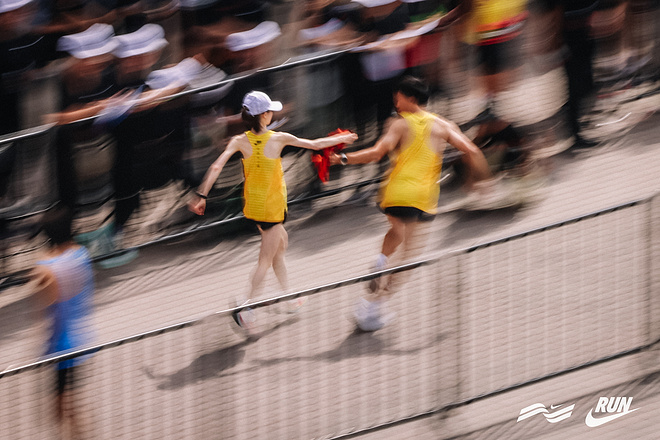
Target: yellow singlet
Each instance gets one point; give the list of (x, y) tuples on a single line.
[(415, 169), (264, 190)]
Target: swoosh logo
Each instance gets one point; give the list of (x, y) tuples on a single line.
[(555, 406), (592, 421)]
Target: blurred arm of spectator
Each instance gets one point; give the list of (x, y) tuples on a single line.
[(152, 98), (146, 100), (75, 113), (456, 13)]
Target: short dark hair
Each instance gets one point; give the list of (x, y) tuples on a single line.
[(56, 222), (252, 122), (413, 87)]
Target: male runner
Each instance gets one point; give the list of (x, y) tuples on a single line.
[(415, 141)]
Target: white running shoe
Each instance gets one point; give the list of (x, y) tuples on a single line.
[(245, 317), (368, 315), (293, 305)]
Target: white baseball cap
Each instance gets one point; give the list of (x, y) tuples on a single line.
[(148, 38), (181, 74), (261, 34), (257, 103), (96, 40)]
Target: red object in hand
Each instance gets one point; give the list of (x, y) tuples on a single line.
[(321, 160)]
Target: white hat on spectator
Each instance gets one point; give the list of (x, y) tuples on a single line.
[(261, 34), (96, 40), (373, 3), (257, 103), (332, 25), (10, 5), (181, 74), (149, 38)]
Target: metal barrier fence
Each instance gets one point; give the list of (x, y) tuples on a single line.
[(470, 324)]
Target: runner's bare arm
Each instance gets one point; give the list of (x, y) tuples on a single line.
[(474, 157), (316, 144), (216, 168), (384, 145)]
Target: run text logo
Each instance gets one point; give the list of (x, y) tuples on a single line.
[(614, 406), (562, 413)]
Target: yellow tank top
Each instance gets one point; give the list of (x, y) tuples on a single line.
[(415, 169), (264, 190), (495, 21)]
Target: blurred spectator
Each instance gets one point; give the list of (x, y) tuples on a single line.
[(372, 74), (85, 151), (493, 27), (89, 77), (65, 288), (20, 50), (152, 138), (579, 62), (321, 86)]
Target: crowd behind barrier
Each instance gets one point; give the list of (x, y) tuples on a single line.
[(126, 155), (468, 335)]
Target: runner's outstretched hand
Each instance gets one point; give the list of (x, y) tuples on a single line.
[(197, 205)]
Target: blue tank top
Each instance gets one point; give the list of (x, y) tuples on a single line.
[(71, 316)]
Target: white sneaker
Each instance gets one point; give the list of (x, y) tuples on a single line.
[(244, 318), (368, 315), (293, 305)]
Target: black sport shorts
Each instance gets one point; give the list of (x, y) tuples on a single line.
[(267, 225), (408, 213), (498, 57)]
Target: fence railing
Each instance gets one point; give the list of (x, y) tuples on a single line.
[(470, 323)]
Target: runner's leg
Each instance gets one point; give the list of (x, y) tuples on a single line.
[(279, 264), (271, 240), (394, 236)]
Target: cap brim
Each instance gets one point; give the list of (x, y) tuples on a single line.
[(275, 106), (107, 48), (373, 3), (152, 47)]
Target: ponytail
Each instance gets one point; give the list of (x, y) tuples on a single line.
[(251, 121)]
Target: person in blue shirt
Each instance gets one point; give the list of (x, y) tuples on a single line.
[(64, 287)]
